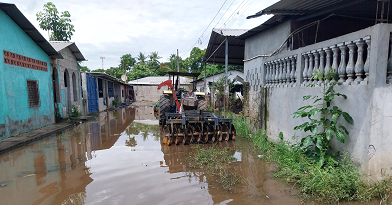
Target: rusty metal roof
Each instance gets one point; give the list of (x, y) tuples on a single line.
[(16, 15), (60, 45), (215, 52)]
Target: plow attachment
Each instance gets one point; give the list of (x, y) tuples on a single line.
[(196, 126)]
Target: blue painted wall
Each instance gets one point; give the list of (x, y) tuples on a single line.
[(16, 116)]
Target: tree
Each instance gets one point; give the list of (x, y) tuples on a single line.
[(127, 62), (195, 60), (84, 68), (60, 26), (100, 70), (141, 58)]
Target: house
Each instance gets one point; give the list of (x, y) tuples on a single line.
[(146, 89), (100, 90), (67, 89), (231, 75), (281, 54), (26, 88)]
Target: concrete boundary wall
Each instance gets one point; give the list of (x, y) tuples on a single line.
[(369, 103)]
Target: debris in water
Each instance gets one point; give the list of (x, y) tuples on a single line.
[(260, 156), (29, 175), (267, 196), (144, 164), (2, 185)]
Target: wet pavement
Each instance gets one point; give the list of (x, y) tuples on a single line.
[(116, 160)]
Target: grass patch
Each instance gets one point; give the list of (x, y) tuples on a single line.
[(330, 184), (215, 162)]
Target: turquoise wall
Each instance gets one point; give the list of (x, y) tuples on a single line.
[(15, 114)]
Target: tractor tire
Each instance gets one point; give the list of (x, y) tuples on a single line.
[(202, 104), (164, 107)]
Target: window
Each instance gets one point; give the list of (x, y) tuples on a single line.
[(122, 93), (110, 89), (32, 92)]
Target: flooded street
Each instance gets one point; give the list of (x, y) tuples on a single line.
[(118, 159)]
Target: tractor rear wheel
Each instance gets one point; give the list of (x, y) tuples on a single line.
[(202, 104), (164, 107)]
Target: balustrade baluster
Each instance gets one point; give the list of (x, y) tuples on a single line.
[(280, 73), (343, 64), (311, 67), (322, 63), (359, 65), (335, 65), (328, 66), (268, 74), (389, 65), (288, 70), (276, 72), (366, 67), (350, 66), (305, 72), (293, 74), (316, 63), (270, 78)]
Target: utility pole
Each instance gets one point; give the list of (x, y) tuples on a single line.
[(102, 57), (178, 70), (226, 87)]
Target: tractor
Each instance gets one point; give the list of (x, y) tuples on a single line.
[(184, 117)]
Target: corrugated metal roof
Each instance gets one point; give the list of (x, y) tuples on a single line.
[(104, 76), (363, 8), (60, 45), (156, 80), (236, 46), (306, 9), (16, 15)]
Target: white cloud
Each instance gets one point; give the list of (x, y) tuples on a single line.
[(112, 28)]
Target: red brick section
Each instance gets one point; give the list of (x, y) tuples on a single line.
[(24, 61)]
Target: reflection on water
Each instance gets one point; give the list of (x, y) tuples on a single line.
[(114, 160)]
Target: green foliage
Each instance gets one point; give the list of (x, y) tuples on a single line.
[(116, 72), (215, 162), (323, 121), (127, 62), (331, 184), (75, 114), (59, 25), (115, 102), (218, 87)]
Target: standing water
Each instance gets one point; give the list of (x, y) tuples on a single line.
[(118, 159)]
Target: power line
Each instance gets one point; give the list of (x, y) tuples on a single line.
[(241, 12), (219, 20), (208, 26)]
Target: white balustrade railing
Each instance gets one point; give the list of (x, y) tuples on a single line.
[(281, 72), (346, 59)]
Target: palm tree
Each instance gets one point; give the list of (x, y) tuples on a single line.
[(141, 58), (154, 57)]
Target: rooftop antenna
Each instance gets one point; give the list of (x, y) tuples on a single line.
[(102, 57)]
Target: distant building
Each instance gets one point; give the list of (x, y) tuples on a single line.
[(100, 89), (67, 87), (231, 74), (26, 88), (146, 89)]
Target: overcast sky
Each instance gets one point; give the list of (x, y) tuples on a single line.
[(111, 28)]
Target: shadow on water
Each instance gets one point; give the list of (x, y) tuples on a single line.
[(119, 160)]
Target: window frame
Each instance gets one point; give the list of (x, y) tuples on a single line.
[(35, 93)]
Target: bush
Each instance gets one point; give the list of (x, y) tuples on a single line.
[(75, 114)]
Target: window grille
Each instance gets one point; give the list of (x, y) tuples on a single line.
[(33, 94)]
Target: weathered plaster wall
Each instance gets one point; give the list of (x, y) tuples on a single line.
[(69, 63), (262, 43), (15, 114), (368, 103)]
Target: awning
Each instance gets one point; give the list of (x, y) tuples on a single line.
[(215, 52)]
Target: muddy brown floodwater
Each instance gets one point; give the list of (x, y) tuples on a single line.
[(118, 159)]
